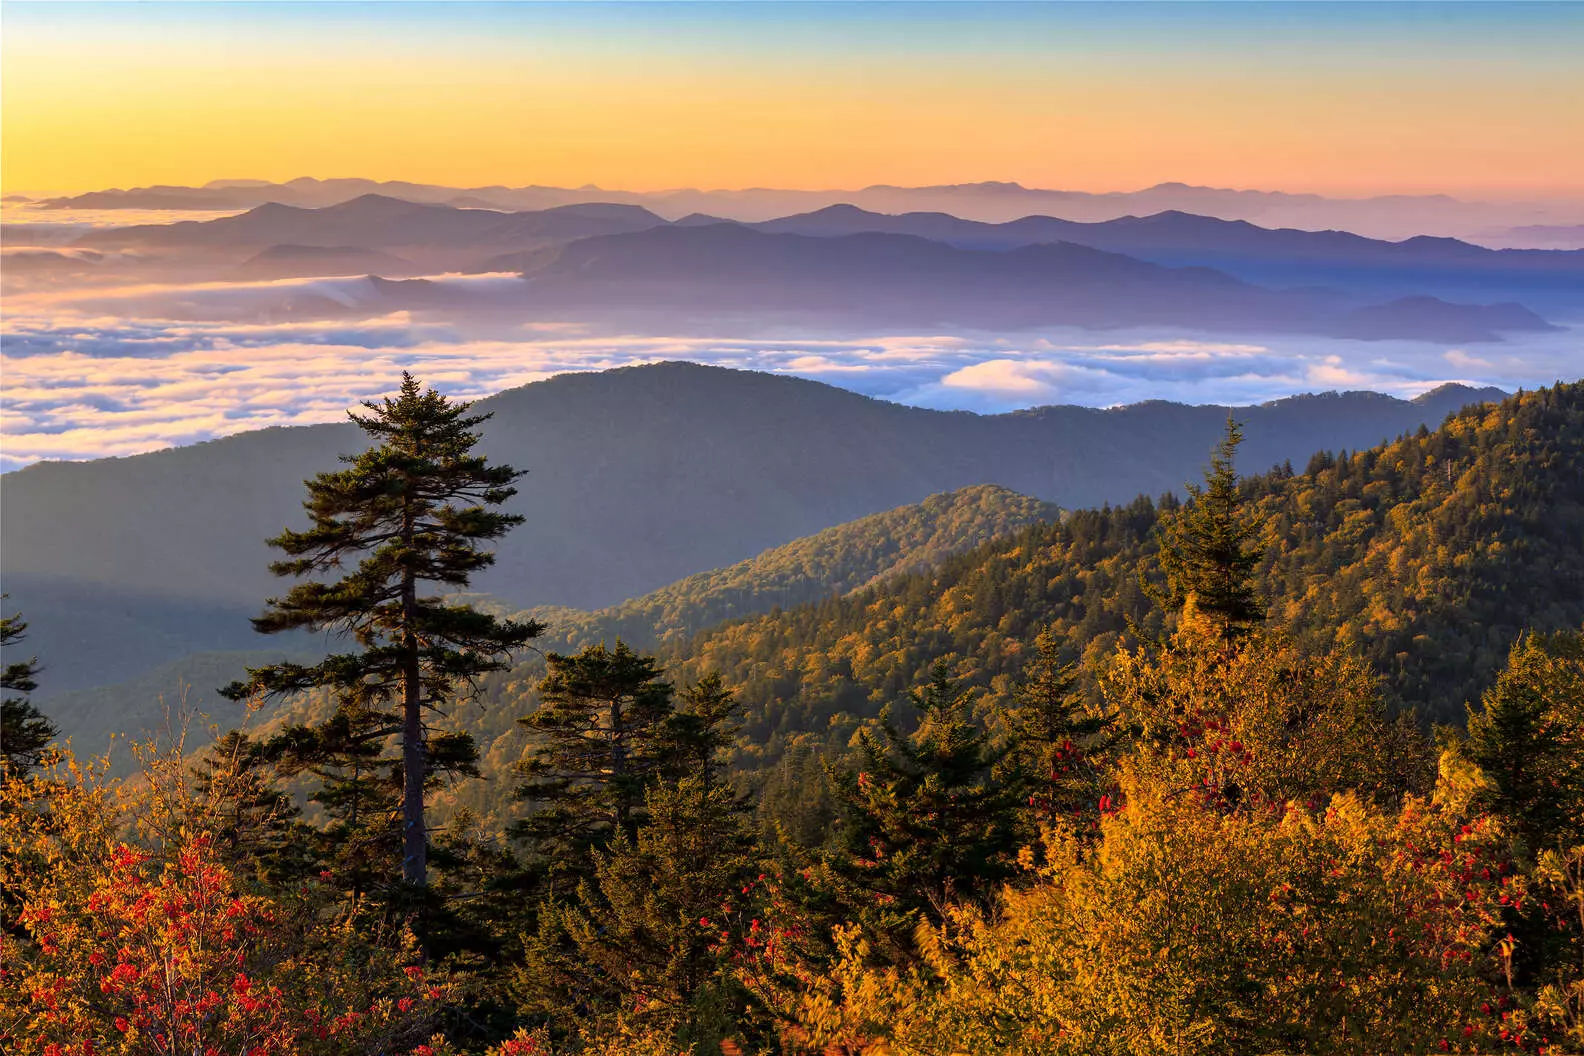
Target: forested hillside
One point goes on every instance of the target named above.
(837, 561)
(1131, 781)
(1427, 555)
(830, 563)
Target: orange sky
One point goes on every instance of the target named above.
(1355, 99)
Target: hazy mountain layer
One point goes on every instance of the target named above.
(1387, 216)
(845, 267)
(638, 477)
(1336, 259)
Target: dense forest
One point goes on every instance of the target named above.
(1291, 764)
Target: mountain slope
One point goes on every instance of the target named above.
(1428, 555)
(828, 563)
(638, 477)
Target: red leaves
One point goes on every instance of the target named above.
(162, 956)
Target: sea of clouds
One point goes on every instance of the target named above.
(93, 373)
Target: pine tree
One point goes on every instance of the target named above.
(25, 734)
(415, 508)
(648, 942)
(925, 820)
(599, 739)
(1054, 737)
(1208, 549)
(1528, 737)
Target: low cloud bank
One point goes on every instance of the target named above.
(84, 385)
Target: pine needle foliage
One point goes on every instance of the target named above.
(25, 734)
(599, 736)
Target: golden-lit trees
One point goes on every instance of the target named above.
(1260, 722)
(1347, 929)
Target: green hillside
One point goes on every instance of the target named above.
(1427, 555)
(837, 561)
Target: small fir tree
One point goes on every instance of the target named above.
(646, 947)
(599, 741)
(925, 823)
(1528, 737)
(700, 732)
(415, 509)
(1209, 551)
(1054, 737)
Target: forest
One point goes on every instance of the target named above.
(1290, 764)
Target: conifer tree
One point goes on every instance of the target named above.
(25, 734)
(599, 739)
(1528, 737)
(1208, 549)
(414, 509)
(925, 820)
(647, 944)
(255, 823)
(699, 732)
(1054, 736)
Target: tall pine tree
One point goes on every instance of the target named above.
(414, 509)
(1209, 551)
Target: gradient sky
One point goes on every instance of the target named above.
(1350, 98)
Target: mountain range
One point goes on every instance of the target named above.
(844, 266)
(1387, 216)
(638, 477)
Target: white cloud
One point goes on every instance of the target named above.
(80, 381)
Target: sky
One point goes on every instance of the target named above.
(1356, 99)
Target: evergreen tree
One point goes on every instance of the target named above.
(25, 734)
(599, 741)
(1528, 737)
(1054, 736)
(699, 733)
(925, 820)
(647, 945)
(1209, 551)
(417, 507)
(359, 784)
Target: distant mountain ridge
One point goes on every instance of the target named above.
(1271, 257)
(1384, 216)
(920, 269)
(885, 279)
(638, 477)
